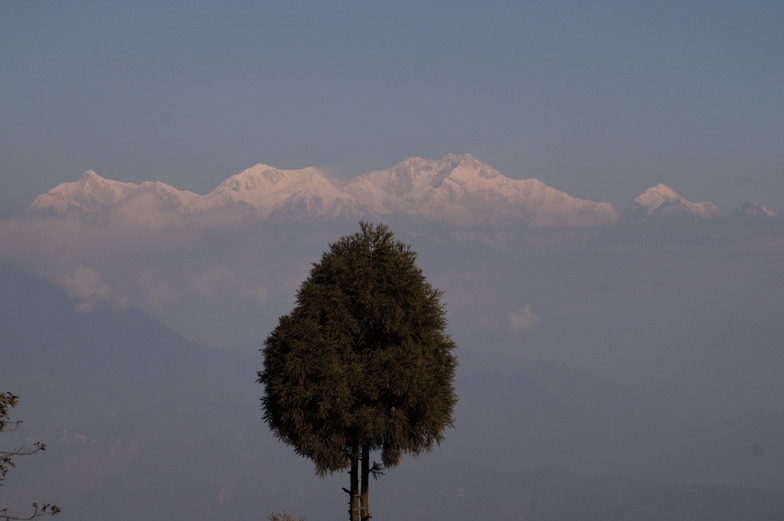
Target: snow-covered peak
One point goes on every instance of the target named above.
(262, 177)
(89, 194)
(657, 195)
(93, 193)
(460, 189)
(265, 190)
(663, 201)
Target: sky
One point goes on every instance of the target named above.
(600, 99)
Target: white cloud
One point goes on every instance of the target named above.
(257, 293)
(523, 319)
(487, 322)
(87, 285)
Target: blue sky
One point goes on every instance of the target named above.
(600, 99)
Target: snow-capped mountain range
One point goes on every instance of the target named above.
(457, 189)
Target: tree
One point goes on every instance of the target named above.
(361, 364)
(7, 402)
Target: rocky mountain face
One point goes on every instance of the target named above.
(457, 189)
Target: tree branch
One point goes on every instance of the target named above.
(38, 511)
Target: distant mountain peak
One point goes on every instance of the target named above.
(662, 201)
(457, 189)
(89, 194)
(93, 194)
(753, 210)
(656, 195)
(285, 194)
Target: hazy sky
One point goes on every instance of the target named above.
(601, 99)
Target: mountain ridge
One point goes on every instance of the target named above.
(457, 189)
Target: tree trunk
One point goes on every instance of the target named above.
(365, 483)
(354, 500)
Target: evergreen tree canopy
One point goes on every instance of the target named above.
(362, 363)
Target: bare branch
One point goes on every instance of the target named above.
(7, 402)
(38, 511)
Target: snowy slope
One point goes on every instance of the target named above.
(457, 189)
(296, 194)
(663, 201)
(93, 193)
